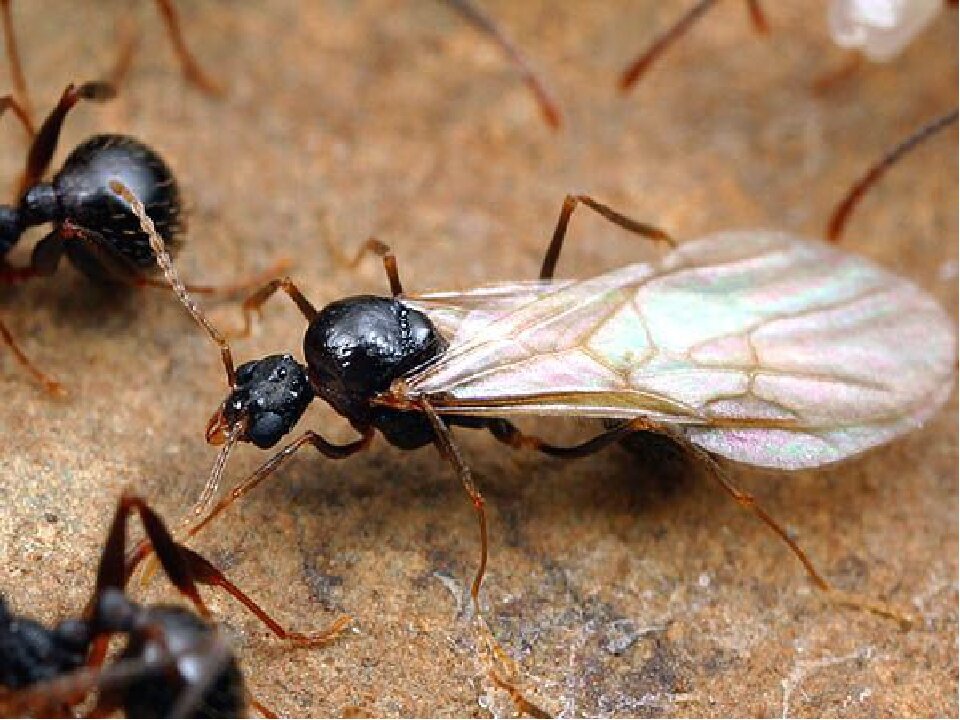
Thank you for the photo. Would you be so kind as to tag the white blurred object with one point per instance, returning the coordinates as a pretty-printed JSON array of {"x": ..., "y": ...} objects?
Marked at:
[{"x": 880, "y": 28}]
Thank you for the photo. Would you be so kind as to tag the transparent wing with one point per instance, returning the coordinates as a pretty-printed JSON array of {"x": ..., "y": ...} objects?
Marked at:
[
  {"x": 461, "y": 315},
  {"x": 767, "y": 348}
]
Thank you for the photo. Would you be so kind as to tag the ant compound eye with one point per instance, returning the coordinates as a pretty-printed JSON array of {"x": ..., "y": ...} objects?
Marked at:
[{"x": 267, "y": 430}]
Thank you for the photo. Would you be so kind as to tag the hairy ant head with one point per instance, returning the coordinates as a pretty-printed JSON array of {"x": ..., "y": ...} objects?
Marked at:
[
  {"x": 268, "y": 397},
  {"x": 357, "y": 346}
]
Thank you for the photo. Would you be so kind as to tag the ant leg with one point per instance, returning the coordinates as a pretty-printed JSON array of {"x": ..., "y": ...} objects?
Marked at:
[
  {"x": 838, "y": 218},
  {"x": 757, "y": 17},
  {"x": 264, "y": 710},
  {"x": 485, "y": 24},
  {"x": 9, "y": 102},
  {"x": 127, "y": 44},
  {"x": 253, "y": 303},
  {"x": 642, "y": 63},
  {"x": 44, "y": 261},
  {"x": 185, "y": 568},
  {"x": 204, "y": 572},
  {"x": 45, "y": 142},
  {"x": 372, "y": 246},
  {"x": 16, "y": 68},
  {"x": 48, "y": 383},
  {"x": 325, "y": 448},
  {"x": 569, "y": 205},
  {"x": 112, "y": 571},
  {"x": 507, "y": 433},
  {"x": 502, "y": 666},
  {"x": 188, "y": 64}
]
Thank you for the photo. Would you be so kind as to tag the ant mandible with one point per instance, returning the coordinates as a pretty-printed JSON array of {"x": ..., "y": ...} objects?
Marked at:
[
  {"x": 91, "y": 226},
  {"x": 175, "y": 663}
]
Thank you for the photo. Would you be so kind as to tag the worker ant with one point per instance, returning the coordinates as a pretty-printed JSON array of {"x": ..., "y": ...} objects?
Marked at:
[
  {"x": 175, "y": 663},
  {"x": 91, "y": 226}
]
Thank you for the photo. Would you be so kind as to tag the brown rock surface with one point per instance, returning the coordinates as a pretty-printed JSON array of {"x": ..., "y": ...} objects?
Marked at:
[{"x": 622, "y": 588}]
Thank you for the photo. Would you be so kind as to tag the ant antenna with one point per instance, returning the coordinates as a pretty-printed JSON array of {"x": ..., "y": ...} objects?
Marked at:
[
  {"x": 679, "y": 28},
  {"x": 838, "y": 218},
  {"x": 170, "y": 272}
]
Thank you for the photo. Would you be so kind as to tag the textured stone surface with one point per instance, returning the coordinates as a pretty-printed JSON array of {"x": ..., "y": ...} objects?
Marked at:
[{"x": 624, "y": 586}]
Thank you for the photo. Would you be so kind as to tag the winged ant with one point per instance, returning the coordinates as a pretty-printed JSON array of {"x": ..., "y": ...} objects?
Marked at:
[{"x": 768, "y": 381}]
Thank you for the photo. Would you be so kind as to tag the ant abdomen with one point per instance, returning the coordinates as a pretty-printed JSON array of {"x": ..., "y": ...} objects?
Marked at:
[{"x": 85, "y": 203}]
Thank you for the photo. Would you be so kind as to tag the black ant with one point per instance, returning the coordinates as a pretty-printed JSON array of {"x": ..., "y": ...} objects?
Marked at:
[
  {"x": 91, "y": 226},
  {"x": 384, "y": 365},
  {"x": 174, "y": 664}
]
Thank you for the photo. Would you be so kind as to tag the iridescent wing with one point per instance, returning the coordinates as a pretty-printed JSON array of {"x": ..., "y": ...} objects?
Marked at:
[{"x": 762, "y": 346}]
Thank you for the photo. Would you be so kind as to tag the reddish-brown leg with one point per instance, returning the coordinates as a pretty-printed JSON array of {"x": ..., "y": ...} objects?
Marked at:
[
  {"x": 48, "y": 383},
  {"x": 502, "y": 668},
  {"x": 325, "y": 448},
  {"x": 371, "y": 246},
  {"x": 509, "y": 434},
  {"x": 570, "y": 203},
  {"x": 185, "y": 568},
  {"x": 485, "y": 24},
  {"x": 253, "y": 303},
  {"x": 838, "y": 217},
  {"x": 829, "y": 80},
  {"x": 757, "y": 16},
  {"x": 639, "y": 66},
  {"x": 45, "y": 142},
  {"x": 191, "y": 68},
  {"x": 16, "y": 69}
]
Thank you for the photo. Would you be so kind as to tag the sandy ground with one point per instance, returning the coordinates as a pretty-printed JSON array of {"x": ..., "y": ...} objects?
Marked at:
[{"x": 623, "y": 585}]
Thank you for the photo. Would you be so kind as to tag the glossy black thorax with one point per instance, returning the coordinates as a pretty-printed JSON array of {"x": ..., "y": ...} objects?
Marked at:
[
  {"x": 84, "y": 200},
  {"x": 356, "y": 347}
]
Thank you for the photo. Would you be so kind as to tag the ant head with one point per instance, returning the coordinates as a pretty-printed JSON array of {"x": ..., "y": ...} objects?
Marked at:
[
  {"x": 268, "y": 397},
  {"x": 187, "y": 669},
  {"x": 356, "y": 347}
]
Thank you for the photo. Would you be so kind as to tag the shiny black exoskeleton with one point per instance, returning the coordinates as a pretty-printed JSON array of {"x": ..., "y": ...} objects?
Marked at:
[
  {"x": 355, "y": 348},
  {"x": 79, "y": 203},
  {"x": 174, "y": 663},
  {"x": 168, "y": 650},
  {"x": 271, "y": 394},
  {"x": 177, "y": 650},
  {"x": 92, "y": 226},
  {"x": 31, "y": 653}
]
